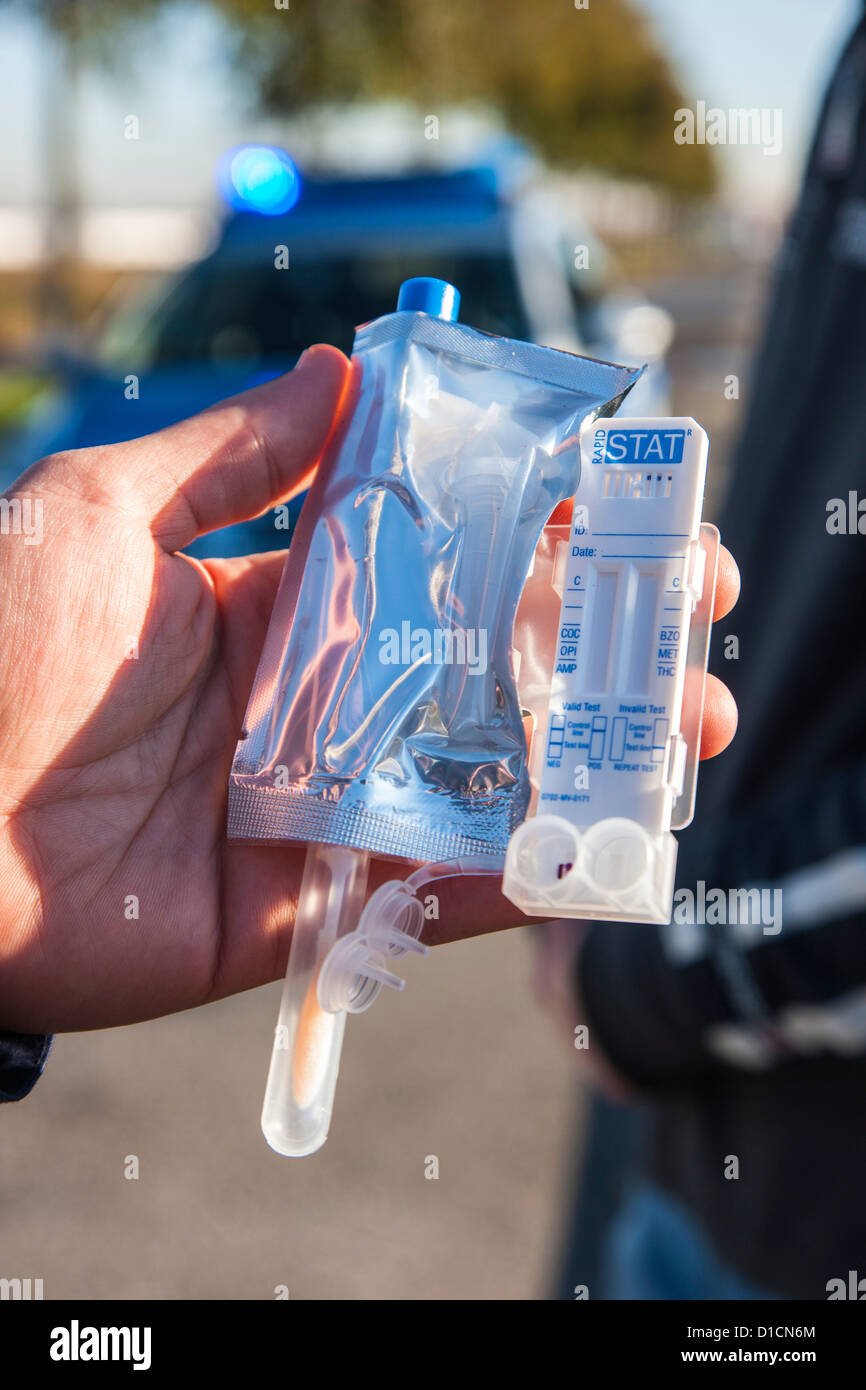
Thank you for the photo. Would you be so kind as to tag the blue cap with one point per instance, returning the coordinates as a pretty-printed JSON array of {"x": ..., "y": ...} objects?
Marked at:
[{"x": 428, "y": 296}]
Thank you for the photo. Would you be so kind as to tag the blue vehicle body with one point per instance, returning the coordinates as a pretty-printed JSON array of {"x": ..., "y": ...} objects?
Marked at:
[{"x": 242, "y": 315}]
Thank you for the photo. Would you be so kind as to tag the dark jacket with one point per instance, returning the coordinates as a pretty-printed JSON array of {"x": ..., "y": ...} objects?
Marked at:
[
  {"x": 749, "y": 1043},
  {"x": 22, "y": 1057}
]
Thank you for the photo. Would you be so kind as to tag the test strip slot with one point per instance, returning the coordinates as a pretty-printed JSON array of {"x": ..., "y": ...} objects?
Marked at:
[
  {"x": 622, "y": 629},
  {"x": 599, "y": 663},
  {"x": 641, "y": 633}
]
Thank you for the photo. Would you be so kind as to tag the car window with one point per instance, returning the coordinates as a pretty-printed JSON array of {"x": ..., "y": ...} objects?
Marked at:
[{"x": 225, "y": 312}]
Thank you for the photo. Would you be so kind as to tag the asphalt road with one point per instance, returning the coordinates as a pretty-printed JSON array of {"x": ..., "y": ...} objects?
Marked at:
[{"x": 462, "y": 1065}]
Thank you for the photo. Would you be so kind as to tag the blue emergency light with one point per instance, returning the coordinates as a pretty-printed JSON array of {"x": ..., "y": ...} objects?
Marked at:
[{"x": 259, "y": 178}]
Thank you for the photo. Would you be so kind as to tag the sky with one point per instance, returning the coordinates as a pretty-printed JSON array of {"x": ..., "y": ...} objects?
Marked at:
[
  {"x": 756, "y": 53},
  {"x": 728, "y": 53}
]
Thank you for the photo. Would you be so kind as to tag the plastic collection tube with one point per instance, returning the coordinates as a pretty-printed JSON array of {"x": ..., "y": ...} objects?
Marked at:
[
  {"x": 338, "y": 961},
  {"x": 305, "y": 1060}
]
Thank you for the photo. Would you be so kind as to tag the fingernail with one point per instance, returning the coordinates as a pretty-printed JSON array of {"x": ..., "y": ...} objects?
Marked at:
[{"x": 308, "y": 356}]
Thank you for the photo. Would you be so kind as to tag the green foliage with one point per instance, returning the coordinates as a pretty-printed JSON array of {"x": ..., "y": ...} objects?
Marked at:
[{"x": 588, "y": 87}]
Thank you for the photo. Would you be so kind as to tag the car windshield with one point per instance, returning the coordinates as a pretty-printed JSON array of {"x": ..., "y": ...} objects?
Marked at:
[{"x": 225, "y": 311}]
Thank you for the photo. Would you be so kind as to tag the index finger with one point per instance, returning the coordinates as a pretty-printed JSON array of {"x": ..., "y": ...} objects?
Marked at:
[{"x": 727, "y": 584}]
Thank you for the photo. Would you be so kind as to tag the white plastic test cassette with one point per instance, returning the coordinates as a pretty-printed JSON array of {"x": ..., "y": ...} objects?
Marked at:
[{"x": 621, "y": 745}]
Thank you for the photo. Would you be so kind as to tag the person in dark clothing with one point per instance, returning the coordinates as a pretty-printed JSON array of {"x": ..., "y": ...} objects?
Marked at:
[{"x": 748, "y": 1038}]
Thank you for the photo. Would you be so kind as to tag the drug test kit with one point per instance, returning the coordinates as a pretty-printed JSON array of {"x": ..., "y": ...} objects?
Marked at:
[{"x": 442, "y": 597}]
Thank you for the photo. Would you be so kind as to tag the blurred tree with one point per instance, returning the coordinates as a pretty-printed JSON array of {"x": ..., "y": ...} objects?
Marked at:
[{"x": 587, "y": 87}]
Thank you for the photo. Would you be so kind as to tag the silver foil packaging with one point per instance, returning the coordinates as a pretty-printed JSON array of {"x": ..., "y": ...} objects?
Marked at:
[{"x": 384, "y": 715}]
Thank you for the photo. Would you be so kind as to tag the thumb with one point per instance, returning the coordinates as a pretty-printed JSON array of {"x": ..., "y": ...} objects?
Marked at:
[{"x": 232, "y": 461}]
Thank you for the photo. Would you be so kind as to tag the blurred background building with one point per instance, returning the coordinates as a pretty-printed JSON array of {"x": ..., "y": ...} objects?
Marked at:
[{"x": 156, "y": 156}]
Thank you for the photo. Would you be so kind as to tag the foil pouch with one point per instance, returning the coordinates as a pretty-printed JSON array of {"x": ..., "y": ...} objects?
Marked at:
[{"x": 384, "y": 714}]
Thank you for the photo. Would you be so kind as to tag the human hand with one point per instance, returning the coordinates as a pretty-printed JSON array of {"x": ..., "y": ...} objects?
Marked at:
[
  {"x": 128, "y": 668},
  {"x": 122, "y": 899}
]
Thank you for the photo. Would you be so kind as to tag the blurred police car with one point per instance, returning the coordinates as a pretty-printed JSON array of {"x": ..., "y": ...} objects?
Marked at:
[{"x": 303, "y": 260}]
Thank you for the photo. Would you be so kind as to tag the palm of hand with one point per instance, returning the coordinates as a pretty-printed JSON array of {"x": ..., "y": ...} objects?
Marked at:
[{"x": 128, "y": 671}]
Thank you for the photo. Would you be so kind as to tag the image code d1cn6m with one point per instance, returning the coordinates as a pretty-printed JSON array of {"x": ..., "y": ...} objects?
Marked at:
[{"x": 623, "y": 737}]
